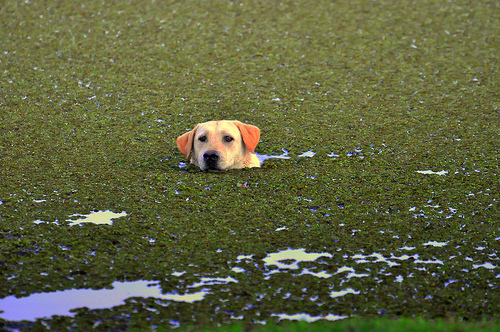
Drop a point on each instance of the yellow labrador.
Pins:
(218, 146)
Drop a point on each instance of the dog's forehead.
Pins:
(217, 128)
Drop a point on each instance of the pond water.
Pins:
(64, 303)
(61, 303)
(95, 217)
(359, 264)
(264, 157)
(378, 191)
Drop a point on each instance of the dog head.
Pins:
(217, 146)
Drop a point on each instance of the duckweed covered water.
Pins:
(387, 205)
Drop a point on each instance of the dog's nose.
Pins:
(211, 156)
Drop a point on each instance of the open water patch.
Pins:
(430, 172)
(289, 259)
(264, 157)
(274, 269)
(285, 260)
(63, 303)
(307, 154)
(308, 318)
(97, 217)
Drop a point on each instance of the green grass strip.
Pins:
(371, 325)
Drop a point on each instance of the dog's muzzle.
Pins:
(211, 159)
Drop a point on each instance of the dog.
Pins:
(218, 146)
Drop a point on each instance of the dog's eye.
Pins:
(228, 138)
(202, 138)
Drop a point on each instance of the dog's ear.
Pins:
(250, 135)
(185, 142)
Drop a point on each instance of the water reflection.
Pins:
(63, 302)
(427, 172)
(264, 157)
(308, 318)
(292, 265)
(99, 217)
(343, 292)
(295, 255)
(392, 259)
(308, 154)
(435, 244)
(96, 217)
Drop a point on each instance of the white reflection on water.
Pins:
(427, 172)
(343, 292)
(379, 258)
(296, 255)
(99, 217)
(435, 244)
(264, 157)
(486, 265)
(308, 154)
(308, 318)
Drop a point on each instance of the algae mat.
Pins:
(388, 205)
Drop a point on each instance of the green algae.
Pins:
(93, 96)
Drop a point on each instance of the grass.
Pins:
(372, 325)
(368, 325)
